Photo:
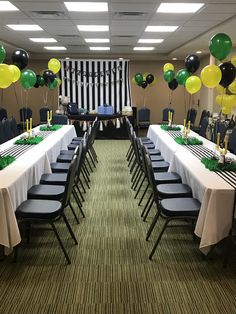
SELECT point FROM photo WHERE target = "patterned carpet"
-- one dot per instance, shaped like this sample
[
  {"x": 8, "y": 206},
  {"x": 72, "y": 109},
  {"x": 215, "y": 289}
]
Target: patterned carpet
[{"x": 110, "y": 271}]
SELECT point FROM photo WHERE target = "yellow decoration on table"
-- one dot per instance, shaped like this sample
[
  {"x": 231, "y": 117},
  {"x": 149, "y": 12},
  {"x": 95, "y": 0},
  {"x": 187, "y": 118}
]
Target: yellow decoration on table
[
  {"x": 188, "y": 126},
  {"x": 31, "y": 124},
  {"x": 218, "y": 141}
]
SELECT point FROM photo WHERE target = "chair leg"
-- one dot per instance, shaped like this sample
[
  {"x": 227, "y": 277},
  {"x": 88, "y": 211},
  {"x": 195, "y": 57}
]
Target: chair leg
[
  {"x": 154, "y": 221},
  {"x": 60, "y": 242},
  {"x": 148, "y": 210},
  {"x": 159, "y": 238},
  {"x": 127, "y": 154},
  {"x": 138, "y": 180},
  {"x": 89, "y": 165},
  {"x": 139, "y": 188},
  {"x": 69, "y": 228},
  {"x": 91, "y": 158},
  {"x": 80, "y": 193},
  {"x": 145, "y": 207},
  {"x": 73, "y": 211},
  {"x": 81, "y": 183},
  {"x": 145, "y": 191}
]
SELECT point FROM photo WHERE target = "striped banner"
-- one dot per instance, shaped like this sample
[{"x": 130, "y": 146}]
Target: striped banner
[{"x": 92, "y": 83}]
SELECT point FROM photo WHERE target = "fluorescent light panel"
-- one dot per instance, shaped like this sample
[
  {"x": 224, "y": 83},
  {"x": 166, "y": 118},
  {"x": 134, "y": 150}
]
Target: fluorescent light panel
[
  {"x": 97, "y": 40},
  {"x": 43, "y": 40},
  {"x": 199, "y": 52},
  {"x": 7, "y": 6},
  {"x": 93, "y": 28},
  {"x": 99, "y": 48},
  {"x": 144, "y": 48},
  {"x": 150, "y": 41},
  {"x": 179, "y": 7},
  {"x": 55, "y": 48},
  {"x": 87, "y": 6},
  {"x": 161, "y": 29},
  {"x": 25, "y": 27}
]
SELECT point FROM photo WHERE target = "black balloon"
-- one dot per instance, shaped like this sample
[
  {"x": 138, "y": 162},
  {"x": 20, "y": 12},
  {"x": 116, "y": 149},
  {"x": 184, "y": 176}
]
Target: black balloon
[
  {"x": 20, "y": 58},
  {"x": 192, "y": 63},
  {"x": 48, "y": 76},
  {"x": 228, "y": 73},
  {"x": 173, "y": 84},
  {"x": 144, "y": 84},
  {"x": 149, "y": 78}
]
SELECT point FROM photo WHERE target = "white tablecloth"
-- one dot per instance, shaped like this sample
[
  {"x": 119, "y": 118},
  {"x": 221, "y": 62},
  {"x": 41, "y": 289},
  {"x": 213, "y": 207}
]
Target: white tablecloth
[
  {"x": 26, "y": 171},
  {"x": 214, "y": 193}
]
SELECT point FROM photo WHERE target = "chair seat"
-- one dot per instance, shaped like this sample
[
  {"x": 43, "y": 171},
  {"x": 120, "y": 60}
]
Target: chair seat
[
  {"x": 144, "y": 139},
  {"x": 75, "y": 141},
  {"x": 149, "y": 146},
  {"x": 72, "y": 146},
  {"x": 54, "y": 178},
  {"x": 38, "y": 209},
  {"x": 65, "y": 158},
  {"x": 160, "y": 166},
  {"x": 154, "y": 152},
  {"x": 147, "y": 141},
  {"x": 66, "y": 152},
  {"x": 156, "y": 158},
  {"x": 77, "y": 138},
  {"x": 173, "y": 207},
  {"x": 172, "y": 190},
  {"x": 167, "y": 177},
  {"x": 52, "y": 192},
  {"x": 60, "y": 166}
]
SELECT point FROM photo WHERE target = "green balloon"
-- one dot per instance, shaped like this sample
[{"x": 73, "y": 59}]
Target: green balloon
[
  {"x": 182, "y": 76},
  {"x": 2, "y": 53},
  {"x": 28, "y": 78},
  {"x": 53, "y": 84},
  {"x": 220, "y": 46},
  {"x": 40, "y": 80},
  {"x": 138, "y": 78},
  {"x": 169, "y": 76}
]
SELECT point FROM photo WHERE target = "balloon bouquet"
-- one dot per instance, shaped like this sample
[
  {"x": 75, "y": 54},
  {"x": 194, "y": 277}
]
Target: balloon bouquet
[{"x": 144, "y": 80}]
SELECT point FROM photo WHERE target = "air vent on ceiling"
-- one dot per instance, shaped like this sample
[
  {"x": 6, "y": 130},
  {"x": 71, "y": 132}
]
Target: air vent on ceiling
[
  {"x": 130, "y": 14},
  {"x": 124, "y": 36},
  {"x": 68, "y": 36},
  {"x": 48, "y": 14},
  {"x": 75, "y": 45}
]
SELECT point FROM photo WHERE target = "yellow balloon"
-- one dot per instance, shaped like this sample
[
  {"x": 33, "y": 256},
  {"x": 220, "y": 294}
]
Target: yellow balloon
[
  {"x": 54, "y": 65},
  {"x": 145, "y": 75},
  {"x": 226, "y": 110},
  {"x": 16, "y": 72},
  {"x": 168, "y": 66},
  {"x": 232, "y": 87},
  {"x": 154, "y": 82},
  {"x": 233, "y": 100},
  {"x": 193, "y": 84},
  {"x": 211, "y": 76},
  {"x": 220, "y": 89},
  {"x": 219, "y": 100},
  {"x": 233, "y": 60},
  {"x": 6, "y": 76}
]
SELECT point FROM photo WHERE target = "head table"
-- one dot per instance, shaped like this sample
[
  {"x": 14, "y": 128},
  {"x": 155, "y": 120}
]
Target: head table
[
  {"x": 31, "y": 162},
  {"x": 215, "y": 190}
]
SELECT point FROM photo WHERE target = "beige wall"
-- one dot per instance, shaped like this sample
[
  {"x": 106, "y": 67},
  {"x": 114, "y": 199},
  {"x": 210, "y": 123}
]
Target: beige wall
[{"x": 156, "y": 97}]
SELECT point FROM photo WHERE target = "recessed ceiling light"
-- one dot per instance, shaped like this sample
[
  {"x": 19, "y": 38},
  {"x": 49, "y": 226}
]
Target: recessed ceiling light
[
  {"x": 121, "y": 59},
  {"x": 99, "y": 48},
  {"x": 150, "y": 41},
  {"x": 25, "y": 27},
  {"x": 179, "y": 7},
  {"x": 199, "y": 51},
  {"x": 97, "y": 40},
  {"x": 174, "y": 59},
  {"x": 67, "y": 58},
  {"x": 87, "y": 6},
  {"x": 162, "y": 29},
  {"x": 93, "y": 28},
  {"x": 55, "y": 48},
  {"x": 7, "y": 6},
  {"x": 143, "y": 48},
  {"x": 43, "y": 40}
]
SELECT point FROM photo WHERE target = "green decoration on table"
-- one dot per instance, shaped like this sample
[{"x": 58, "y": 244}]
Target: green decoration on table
[
  {"x": 212, "y": 164},
  {"x": 5, "y": 161},
  {"x": 54, "y": 127},
  {"x": 188, "y": 141},
  {"x": 29, "y": 141},
  {"x": 166, "y": 127}
]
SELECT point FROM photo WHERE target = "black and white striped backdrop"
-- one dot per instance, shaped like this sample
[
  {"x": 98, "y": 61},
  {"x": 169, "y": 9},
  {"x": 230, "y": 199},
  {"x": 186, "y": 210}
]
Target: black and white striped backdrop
[{"x": 91, "y": 83}]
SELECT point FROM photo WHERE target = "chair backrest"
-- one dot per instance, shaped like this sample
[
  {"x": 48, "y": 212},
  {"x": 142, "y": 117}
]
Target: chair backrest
[
  {"x": 136, "y": 149},
  {"x": 219, "y": 127},
  {"x": 2, "y": 138},
  {"x": 43, "y": 114},
  {"x": 203, "y": 127},
  {"x": 25, "y": 113},
  {"x": 165, "y": 113},
  {"x": 72, "y": 108},
  {"x": 232, "y": 141},
  {"x": 59, "y": 119},
  {"x": 14, "y": 127},
  {"x": 69, "y": 182},
  {"x": 203, "y": 115},
  {"x": 3, "y": 114},
  {"x": 144, "y": 114},
  {"x": 191, "y": 115},
  {"x": 7, "y": 133}
]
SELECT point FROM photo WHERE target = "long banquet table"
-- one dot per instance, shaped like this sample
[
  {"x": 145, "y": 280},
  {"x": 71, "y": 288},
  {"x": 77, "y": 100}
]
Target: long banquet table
[
  {"x": 31, "y": 162},
  {"x": 215, "y": 190}
]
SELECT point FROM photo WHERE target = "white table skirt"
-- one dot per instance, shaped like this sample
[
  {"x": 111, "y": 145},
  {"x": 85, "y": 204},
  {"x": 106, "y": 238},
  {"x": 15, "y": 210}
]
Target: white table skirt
[
  {"x": 22, "y": 174},
  {"x": 214, "y": 193}
]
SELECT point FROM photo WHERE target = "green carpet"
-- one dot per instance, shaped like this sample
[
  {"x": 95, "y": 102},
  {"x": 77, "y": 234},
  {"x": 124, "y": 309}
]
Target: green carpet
[{"x": 110, "y": 271}]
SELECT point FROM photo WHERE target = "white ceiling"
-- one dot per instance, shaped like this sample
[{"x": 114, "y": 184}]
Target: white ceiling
[{"x": 193, "y": 33}]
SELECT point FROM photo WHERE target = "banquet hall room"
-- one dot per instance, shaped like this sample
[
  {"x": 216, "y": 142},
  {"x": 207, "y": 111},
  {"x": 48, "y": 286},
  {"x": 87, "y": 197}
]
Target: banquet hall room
[{"x": 117, "y": 156}]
